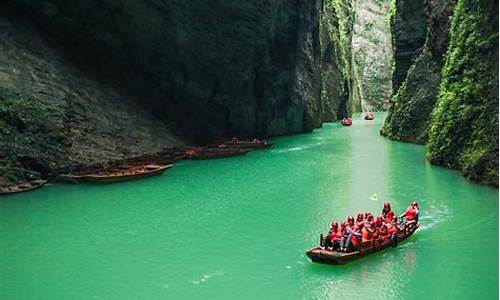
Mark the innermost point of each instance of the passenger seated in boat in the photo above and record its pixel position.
(366, 233)
(255, 141)
(352, 236)
(387, 212)
(334, 235)
(359, 218)
(393, 230)
(235, 140)
(382, 232)
(411, 213)
(222, 146)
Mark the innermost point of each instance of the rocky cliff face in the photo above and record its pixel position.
(373, 53)
(413, 102)
(53, 115)
(215, 68)
(463, 131)
(433, 105)
(159, 73)
(409, 29)
(339, 94)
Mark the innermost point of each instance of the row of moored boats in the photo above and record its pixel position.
(144, 166)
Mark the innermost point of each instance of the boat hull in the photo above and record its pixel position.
(322, 256)
(116, 176)
(28, 186)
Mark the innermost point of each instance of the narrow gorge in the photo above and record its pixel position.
(84, 82)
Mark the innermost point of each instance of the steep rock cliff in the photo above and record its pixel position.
(340, 94)
(101, 80)
(463, 132)
(413, 102)
(409, 29)
(449, 97)
(54, 115)
(373, 53)
(213, 67)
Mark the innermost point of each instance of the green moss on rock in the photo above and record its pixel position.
(464, 127)
(339, 95)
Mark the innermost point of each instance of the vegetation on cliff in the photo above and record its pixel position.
(339, 94)
(449, 97)
(464, 127)
(373, 53)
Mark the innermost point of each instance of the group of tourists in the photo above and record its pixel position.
(351, 233)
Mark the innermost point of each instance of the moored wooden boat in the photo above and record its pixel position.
(320, 255)
(200, 153)
(117, 174)
(251, 145)
(22, 187)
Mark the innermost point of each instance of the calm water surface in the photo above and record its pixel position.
(238, 228)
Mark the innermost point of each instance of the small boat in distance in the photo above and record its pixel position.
(121, 173)
(369, 116)
(22, 187)
(346, 122)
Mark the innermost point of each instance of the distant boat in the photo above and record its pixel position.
(369, 116)
(122, 173)
(346, 122)
(199, 153)
(22, 187)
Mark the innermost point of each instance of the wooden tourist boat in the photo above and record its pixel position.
(250, 144)
(122, 173)
(369, 117)
(200, 153)
(320, 255)
(346, 122)
(22, 187)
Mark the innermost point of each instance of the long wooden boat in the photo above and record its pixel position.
(22, 187)
(122, 173)
(320, 255)
(251, 145)
(213, 153)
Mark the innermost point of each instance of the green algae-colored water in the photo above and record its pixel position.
(238, 228)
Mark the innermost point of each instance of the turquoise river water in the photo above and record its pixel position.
(238, 228)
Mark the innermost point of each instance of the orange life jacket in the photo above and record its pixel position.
(335, 235)
(366, 235)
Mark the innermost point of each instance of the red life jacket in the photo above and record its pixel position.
(392, 229)
(335, 235)
(388, 216)
(411, 213)
(365, 235)
(354, 239)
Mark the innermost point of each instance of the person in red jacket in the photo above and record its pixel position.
(382, 232)
(359, 218)
(352, 235)
(411, 213)
(393, 230)
(366, 232)
(387, 212)
(332, 241)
